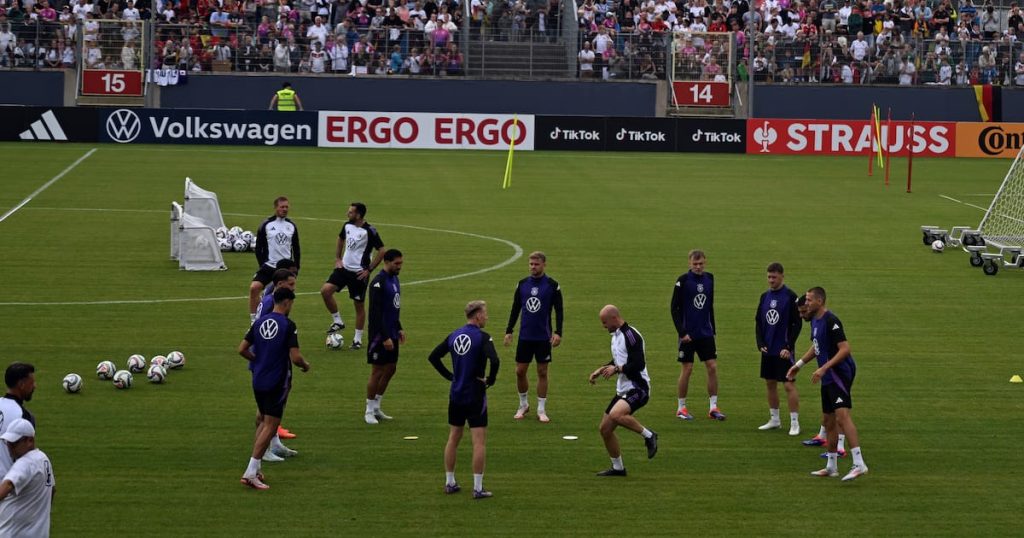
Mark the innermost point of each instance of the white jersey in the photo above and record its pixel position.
(359, 243)
(10, 411)
(276, 240)
(26, 511)
(628, 353)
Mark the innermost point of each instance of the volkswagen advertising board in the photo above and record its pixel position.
(228, 127)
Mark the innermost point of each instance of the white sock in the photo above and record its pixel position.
(370, 406)
(857, 458)
(833, 461)
(337, 318)
(617, 463)
(714, 401)
(682, 403)
(275, 443)
(647, 433)
(842, 441)
(524, 399)
(774, 413)
(541, 404)
(821, 432)
(449, 478)
(359, 336)
(252, 317)
(794, 416)
(376, 401)
(252, 469)
(478, 482)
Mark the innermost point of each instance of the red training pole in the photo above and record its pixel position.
(888, 133)
(871, 140)
(910, 153)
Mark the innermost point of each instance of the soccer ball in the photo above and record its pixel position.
(938, 246)
(123, 379)
(247, 236)
(235, 231)
(239, 245)
(225, 245)
(105, 370)
(335, 341)
(72, 383)
(136, 363)
(159, 360)
(175, 360)
(221, 233)
(156, 374)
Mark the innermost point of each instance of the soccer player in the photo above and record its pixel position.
(836, 371)
(285, 263)
(632, 388)
(385, 333)
(777, 325)
(535, 296)
(471, 349)
(20, 378)
(267, 303)
(26, 490)
(277, 239)
(272, 345)
(693, 313)
(282, 279)
(352, 268)
(820, 439)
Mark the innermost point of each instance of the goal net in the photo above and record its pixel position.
(1003, 223)
(198, 249)
(176, 213)
(203, 204)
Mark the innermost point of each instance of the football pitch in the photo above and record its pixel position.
(935, 341)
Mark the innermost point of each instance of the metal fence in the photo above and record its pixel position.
(611, 55)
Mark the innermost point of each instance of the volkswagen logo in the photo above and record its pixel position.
(772, 317)
(699, 300)
(268, 329)
(462, 344)
(123, 126)
(533, 305)
(397, 301)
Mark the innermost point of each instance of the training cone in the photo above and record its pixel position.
(1016, 379)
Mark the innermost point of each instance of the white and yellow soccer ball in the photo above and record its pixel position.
(123, 379)
(156, 374)
(105, 370)
(938, 246)
(72, 383)
(335, 341)
(136, 363)
(175, 360)
(235, 231)
(159, 360)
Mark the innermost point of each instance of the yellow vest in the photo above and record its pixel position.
(286, 99)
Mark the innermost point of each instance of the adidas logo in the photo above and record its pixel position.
(839, 400)
(45, 128)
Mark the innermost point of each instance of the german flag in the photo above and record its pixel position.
(990, 102)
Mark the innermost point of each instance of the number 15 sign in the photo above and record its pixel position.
(701, 93)
(111, 82)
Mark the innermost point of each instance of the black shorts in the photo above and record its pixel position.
(343, 278)
(377, 354)
(475, 414)
(271, 402)
(636, 399)
(774, 368)
(265, 275)
(836, 395)
(527, 350)
(704, 348)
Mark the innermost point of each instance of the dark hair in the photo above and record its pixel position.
(281, 275)
(818, 292)
(279, 199)
(16, 372)
(286, 85)
(360, 208)
(286, 263)
(775, 267)
(801, 301)
(391, 254)
(283, 294)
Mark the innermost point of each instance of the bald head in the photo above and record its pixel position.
(611, 318)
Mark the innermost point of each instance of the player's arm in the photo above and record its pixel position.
(517, 307)
(678, 309)
(339, 250)
(635, 360)
(711, 308)
(435, 360)
(293, 348)
(556, 304)
(377, 302)
(296, 254)
(245, 348)
(795, 324)
(373, 264)
(262, 249)
(758, 328)
(606, 370)
(6, 488)
(492, 357)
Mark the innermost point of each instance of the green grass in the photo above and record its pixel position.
(935, 341)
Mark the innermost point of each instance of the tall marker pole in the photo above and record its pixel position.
(888, 133)
(871, 143)
(910, 153)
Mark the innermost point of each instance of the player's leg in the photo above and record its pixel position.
(611, 444)
(542, 390)
(522, 386)
(253, 476)
(479, 436)
(845, 421)
(327, 292)
(712, 366)
(357, 339)
(623, 415)
(388, 372)
(450, 451)
(793, 399)
(831, 434)
(772, 388)
(372, 384)
(685, 371)
(255, 290)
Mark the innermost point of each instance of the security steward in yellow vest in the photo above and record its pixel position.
(286, 100)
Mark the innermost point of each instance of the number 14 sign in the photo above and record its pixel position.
(701, 93)
(111, 82)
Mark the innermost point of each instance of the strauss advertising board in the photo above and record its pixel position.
(339, 129)
(840, 137)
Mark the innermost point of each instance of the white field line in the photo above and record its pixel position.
(951, 199)
(46, 185)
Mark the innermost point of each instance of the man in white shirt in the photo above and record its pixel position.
(907, 70)
(859, 47)
(317, 32)
(586, 60)
(130, 13)
(20, 379)
(81, 8)
(26, 491)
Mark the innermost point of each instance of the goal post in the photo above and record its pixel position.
(1003, 223)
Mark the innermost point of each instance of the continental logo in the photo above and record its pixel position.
(989, 140)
